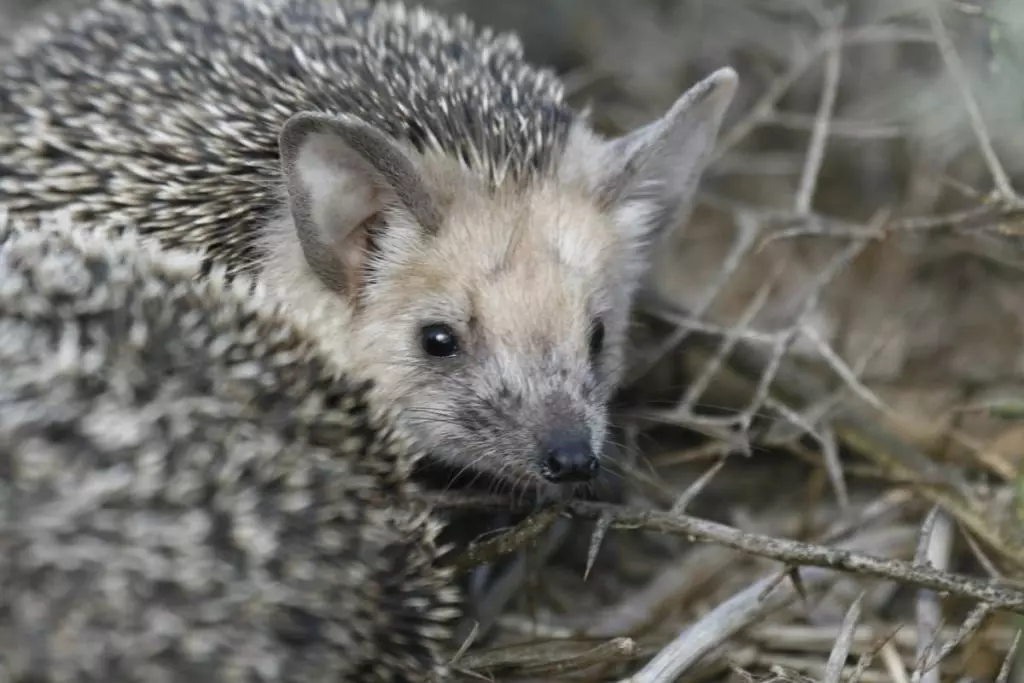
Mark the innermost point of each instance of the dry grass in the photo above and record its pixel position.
(823, 437)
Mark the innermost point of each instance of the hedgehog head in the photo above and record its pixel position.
(495, 312)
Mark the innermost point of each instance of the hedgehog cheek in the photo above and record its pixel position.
(651, 174)
(341, 176)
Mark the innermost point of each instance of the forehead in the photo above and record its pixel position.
(525, 258)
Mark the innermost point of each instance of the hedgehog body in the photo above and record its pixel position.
(189, 490)
(469, 242)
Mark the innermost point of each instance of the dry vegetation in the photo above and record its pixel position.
(822, 444)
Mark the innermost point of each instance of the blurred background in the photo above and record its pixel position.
(839, 327)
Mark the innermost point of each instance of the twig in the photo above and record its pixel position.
(819, 134)
(894, 664)
(782, 83)
(1004, 188)
(971, 624)
(933, 550)
(884, 646)
(746, 607)
(1004, 671)
(841, 649)
(859, 429)
(797, 553)
(486, 551)
(670, 587)
(507, 586)
(749, 228)
(694, 489)
(815, 637)
(547, 658)
(700, 384)
(837, 128)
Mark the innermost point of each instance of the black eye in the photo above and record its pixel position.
(596, 338)
(439, 340)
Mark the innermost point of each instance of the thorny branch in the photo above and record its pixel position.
(996, 593)
(797, 553)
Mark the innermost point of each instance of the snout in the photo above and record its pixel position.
(568, 458)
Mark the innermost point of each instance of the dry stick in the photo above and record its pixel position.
(700, 384)
(639, 612)
(695, 489)
(1004, 671)
(508, 585)
(893, 664)
(972, 623)
(787, 338)
(739, 611)
(778, 88)
(763, 108)
(981, 556)
(556, 657)
(780, 343)
(749, 228)
(859, 429)
(884, 646)
(956, 70)
(799, 637)
(855, 130)
(841, 649)
(819, 134)
(934, 550)
(811, 418)
(797, 553)
(990, 216)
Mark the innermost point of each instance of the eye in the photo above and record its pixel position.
(596, 338)
(439, 340)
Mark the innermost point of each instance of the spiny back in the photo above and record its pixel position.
(162, 111)
(188, 492)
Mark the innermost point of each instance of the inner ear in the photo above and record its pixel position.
(343, 178)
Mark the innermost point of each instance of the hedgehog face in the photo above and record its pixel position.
(495, 313)
(501, 333)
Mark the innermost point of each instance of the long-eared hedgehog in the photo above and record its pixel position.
(189, 491)
(477, 244)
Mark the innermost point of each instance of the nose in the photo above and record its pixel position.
(569, 460)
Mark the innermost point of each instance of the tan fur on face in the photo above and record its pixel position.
(521, 275)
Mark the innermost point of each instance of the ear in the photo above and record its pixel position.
(341, 176)
(649, 177)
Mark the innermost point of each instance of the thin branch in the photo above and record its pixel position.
(934, 549)
(1004, 671)
(971, 624)
(841, 649)
(694, 489)
(819, 134)
(797, 553)
(782, 83)
(954, 65)
(742, 609)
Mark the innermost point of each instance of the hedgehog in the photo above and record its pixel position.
(467, 237)
(191, 490)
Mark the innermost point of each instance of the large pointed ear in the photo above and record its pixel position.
(341, 177)
(649, 176)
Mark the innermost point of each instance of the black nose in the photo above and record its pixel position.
(569, 460)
